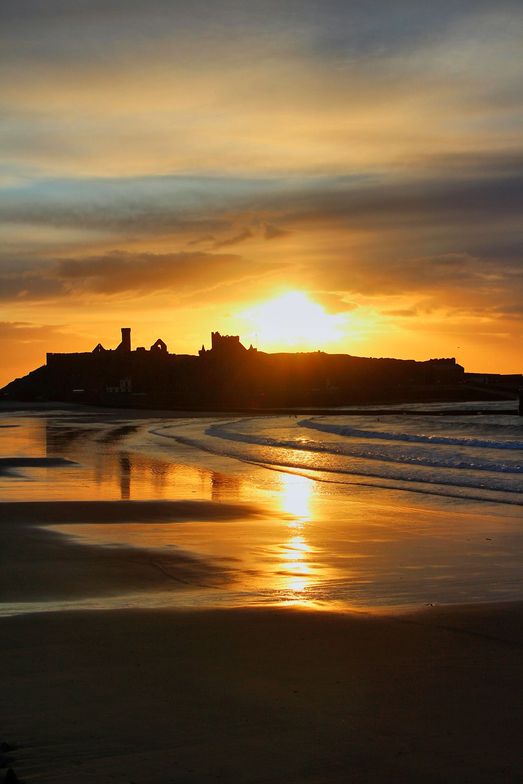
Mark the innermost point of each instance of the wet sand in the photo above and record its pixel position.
(272, 694)
(240, 695)
(264, 696)
(38, 564)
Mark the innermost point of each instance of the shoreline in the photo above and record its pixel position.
(353, 409)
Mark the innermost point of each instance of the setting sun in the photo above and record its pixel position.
(293, 319)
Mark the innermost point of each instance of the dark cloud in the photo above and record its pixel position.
(130, 273)
(454, 277)
(333, 26)
(31, 284)
(201, 240)
(452, 234)
(236, 239)
(444, 190)
(24, 331)
(148, 272)
(397, 204)
(272, 232)
(141, 205)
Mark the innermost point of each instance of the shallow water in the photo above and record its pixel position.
(361, 512)
(478, 457)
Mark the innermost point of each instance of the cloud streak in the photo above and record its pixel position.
(137, 274)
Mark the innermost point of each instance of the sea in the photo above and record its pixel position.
(472, 455)
(407, 507)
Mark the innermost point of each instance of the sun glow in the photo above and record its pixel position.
(295, 497)
(293, 319)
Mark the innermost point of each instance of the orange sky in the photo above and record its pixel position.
(171, 168)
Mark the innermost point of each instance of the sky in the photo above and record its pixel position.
(173, 166)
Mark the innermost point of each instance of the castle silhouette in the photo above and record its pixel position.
(229, 375)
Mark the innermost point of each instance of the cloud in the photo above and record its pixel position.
(30, 284)
(137, 274)
(458, 282)
(27, 332)
(272, 232)
(333, 303)
(201, 240)
(147, 272)
(241, 236)
(448, 191)
(159, 87)
(453, 233)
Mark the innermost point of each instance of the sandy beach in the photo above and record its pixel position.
(264, 696)
(178, 623)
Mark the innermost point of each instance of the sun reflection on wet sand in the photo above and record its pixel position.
(295, 494)
(294, 557)
(295, 499)
(271, 556)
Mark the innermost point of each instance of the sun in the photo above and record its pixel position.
(293, 320)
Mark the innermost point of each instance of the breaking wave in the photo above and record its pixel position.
(381, 452)
(353, 432)
(478, 457)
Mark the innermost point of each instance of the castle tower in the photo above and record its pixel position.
(125, 345)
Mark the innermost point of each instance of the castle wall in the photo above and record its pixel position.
(229, 374)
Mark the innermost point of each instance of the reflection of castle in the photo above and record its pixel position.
(228, 374)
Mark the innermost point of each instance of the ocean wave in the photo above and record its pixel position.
(421, 458)
(388, 435)
(446, 483)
